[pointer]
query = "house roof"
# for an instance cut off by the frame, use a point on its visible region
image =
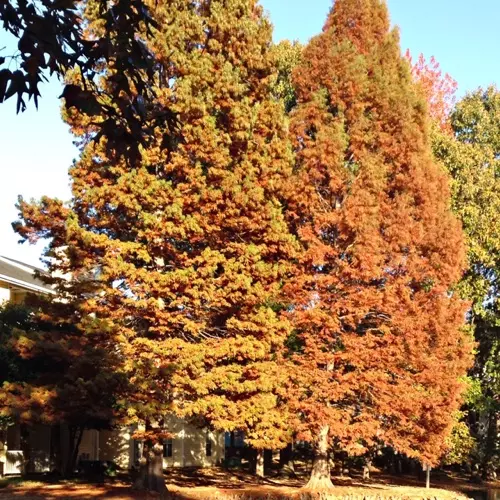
(23, 276)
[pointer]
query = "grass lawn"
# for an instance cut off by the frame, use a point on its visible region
(211, 484)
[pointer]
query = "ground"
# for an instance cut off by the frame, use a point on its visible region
(205, 484)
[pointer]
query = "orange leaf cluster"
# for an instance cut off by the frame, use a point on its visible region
(177, 264)
(439, 90)
(379, 342)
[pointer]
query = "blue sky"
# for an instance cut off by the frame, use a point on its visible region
(36, 148)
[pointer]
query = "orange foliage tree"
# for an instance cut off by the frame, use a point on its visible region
(175, 263)
(378, 346)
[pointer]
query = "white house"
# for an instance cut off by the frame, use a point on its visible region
(18, 279)
(190, 446)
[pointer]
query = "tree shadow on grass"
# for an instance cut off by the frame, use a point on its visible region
(220, 484)
(231, 479)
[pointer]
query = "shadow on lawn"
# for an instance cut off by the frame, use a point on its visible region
(236, 479)
(208, 484)
(47, 487)
(225, 479)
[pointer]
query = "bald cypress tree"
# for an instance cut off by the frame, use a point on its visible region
(379, 342)
(175, 263)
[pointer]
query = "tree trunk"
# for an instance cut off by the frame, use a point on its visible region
(268, 461)
(490, 442)
(366, 469)
(156, 481)
(259, 464)
(287, 465)
(55, 449)
(151, 467)
(427, 476)
(320, 473)
(75, 434)
(286, 455)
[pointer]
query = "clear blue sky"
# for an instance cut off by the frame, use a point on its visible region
(36, 149)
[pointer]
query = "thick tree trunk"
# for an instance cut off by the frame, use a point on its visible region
(268, 461)
(366, 470)
(287, 465)
(151, 468)
(259, 464)
(155, 479)
(320, 473)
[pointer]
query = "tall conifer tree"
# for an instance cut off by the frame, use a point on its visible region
(175, 264)
(379, 345)
(466, 141)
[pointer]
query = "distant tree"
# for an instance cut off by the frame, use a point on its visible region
(460, 444)
(286, 56)
(471, 155)
(439, 89)
(379, 347)
(176, 265)
(466, 142)
(51, 375)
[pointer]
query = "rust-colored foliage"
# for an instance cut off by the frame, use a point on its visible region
(176, 264)
(439, 90)
(379, 346)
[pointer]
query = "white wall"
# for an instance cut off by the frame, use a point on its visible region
(117, 446)
(89, 447)
(188, 446)
(4, 292)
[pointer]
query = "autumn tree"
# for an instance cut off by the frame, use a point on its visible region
(175, 264)
(51, 375)
(438, 89)
(286, 57)
(471, 155)
(465, 142)
(378, 346)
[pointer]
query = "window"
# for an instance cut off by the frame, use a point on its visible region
(208, 445)
(235, 439)
(168, 448)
